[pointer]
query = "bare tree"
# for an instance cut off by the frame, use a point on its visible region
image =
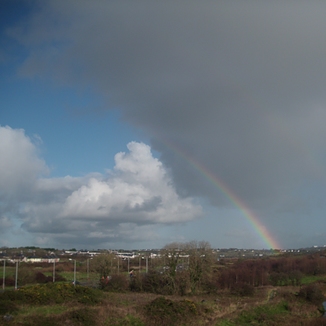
(102, 264)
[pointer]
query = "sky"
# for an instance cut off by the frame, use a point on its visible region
(134, 124)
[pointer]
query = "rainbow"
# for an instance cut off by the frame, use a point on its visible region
(254, 221)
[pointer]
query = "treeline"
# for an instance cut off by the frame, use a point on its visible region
(183, 268)
(279, 271)
(201, 272)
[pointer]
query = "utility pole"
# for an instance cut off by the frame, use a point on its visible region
(53, 270)
(87, 264)
(75, 272)
(16, 278)
(4, 275)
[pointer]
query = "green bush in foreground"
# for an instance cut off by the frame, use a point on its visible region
(52, 293)
(85, 316)
(7, 307)
(162, 311)
(312, 293)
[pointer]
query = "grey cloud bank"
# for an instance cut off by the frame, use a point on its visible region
(237, 86)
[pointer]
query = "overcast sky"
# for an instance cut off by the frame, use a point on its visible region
(132, 124)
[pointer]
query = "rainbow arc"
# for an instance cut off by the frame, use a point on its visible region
(254, 221)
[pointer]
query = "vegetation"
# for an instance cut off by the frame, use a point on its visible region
(163, 311)
(187, 285)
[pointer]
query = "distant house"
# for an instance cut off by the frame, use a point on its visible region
(3, 256)
(126, 255)
(49, 260)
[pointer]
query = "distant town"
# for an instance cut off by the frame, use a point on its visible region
(51, 255)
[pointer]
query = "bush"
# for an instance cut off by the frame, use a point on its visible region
(9, 281)
(84, 316)
(136, 283)
(162, 311)
(158, 283)
(25, 276)
(117, 283)
(86, 295)
(7, 307)
(243, 289)
(211, 284)
(12, 295)
(152, 282)
(49, 293)
(312, 293)
(182, 283)
(40, 278)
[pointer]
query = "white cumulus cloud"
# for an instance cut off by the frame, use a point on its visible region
(20, 164)
(138, 190)
(137, 194)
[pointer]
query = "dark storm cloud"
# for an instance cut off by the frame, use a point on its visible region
(237, 86)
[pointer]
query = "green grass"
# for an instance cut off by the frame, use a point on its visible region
(42, 310)
(9, 270)
(69, 276)
(129, 320)
(261, 315)
(312, 278)
(226, 323)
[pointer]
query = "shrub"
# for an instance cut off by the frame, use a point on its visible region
(182, 283)
(7, 307)
(117, 283)
(243, 289)
(49, 293)
(158, 283)
(86, 295)
(136, 283)
(151, 282)
(84, 316)
(312, 293)
(9, 281)
(162, 311)
(26, 276)
(40, 277)
(12, 295)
